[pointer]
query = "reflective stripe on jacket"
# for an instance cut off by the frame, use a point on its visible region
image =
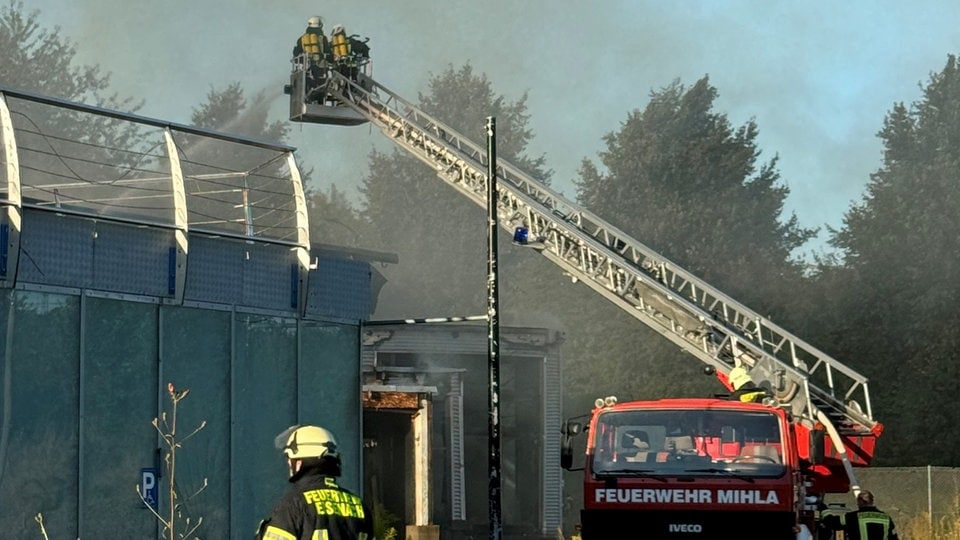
(316, 508)
(868, 523)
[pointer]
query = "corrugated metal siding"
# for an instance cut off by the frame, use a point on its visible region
(552, 418)
(458, 511)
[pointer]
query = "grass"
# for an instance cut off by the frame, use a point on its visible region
(921, 527)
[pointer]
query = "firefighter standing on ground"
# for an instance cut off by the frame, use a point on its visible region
(866, 523)
(316, 506)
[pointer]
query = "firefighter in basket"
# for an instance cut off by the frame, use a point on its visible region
(312, 53)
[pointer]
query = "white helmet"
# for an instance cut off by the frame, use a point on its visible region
(303, 442)
(315, 22)
(338, 29)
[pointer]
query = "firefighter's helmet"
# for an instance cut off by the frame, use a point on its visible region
(303, 442)
(315, 22)
(738, 377)
(338, 29)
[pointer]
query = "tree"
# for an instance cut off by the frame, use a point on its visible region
(229, 111)
(333, 219)
(41, 60)
(176, 521)
(901, 248)
(56, 143)
(682, 180)
(439, 234)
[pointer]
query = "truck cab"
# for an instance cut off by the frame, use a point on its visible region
(690, 468)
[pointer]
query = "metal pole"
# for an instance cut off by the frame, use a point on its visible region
(493, 326)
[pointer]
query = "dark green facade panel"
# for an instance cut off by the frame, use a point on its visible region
(82, 378)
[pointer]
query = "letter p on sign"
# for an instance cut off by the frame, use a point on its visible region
(148, 486)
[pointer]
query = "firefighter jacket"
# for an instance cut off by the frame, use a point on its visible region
(867, 523)
(313, 45)
(316, 507)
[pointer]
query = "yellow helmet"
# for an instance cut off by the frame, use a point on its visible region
(303, 442)
(738, 377)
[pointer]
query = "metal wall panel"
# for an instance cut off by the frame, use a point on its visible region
(213, 271)
(340, 288)
(267, 276)
(134, 260)
(80, 252)
(56, 250)
(86, 375)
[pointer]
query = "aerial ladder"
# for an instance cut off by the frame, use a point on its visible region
(818, 390)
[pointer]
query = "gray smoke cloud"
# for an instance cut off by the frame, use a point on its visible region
(817, 76)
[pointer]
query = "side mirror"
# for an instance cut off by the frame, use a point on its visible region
(566, 456)
(570, 430)
(816, 445)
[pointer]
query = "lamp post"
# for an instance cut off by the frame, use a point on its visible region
(493, 335)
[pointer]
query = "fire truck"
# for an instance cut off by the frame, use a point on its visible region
(697, 468)
(677, 468)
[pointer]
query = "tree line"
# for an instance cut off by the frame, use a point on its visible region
(677, 175)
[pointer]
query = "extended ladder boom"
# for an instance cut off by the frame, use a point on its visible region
(699, 318)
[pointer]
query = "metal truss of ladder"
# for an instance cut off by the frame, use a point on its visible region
(697, 317)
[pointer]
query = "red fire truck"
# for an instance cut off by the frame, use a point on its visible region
(706, 468)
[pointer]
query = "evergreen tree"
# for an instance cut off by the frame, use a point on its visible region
(41, 60)
(901, 246)
(679, 178)
(439, 235)
(334, 220)
(229, 111)
(58, 145)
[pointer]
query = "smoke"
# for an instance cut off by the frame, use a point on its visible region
(806, 72)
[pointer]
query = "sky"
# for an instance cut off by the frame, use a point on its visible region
(818, 77)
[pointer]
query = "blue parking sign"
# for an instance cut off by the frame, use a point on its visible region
(148, 486)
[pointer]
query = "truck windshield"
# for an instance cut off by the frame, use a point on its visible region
(688, 442)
